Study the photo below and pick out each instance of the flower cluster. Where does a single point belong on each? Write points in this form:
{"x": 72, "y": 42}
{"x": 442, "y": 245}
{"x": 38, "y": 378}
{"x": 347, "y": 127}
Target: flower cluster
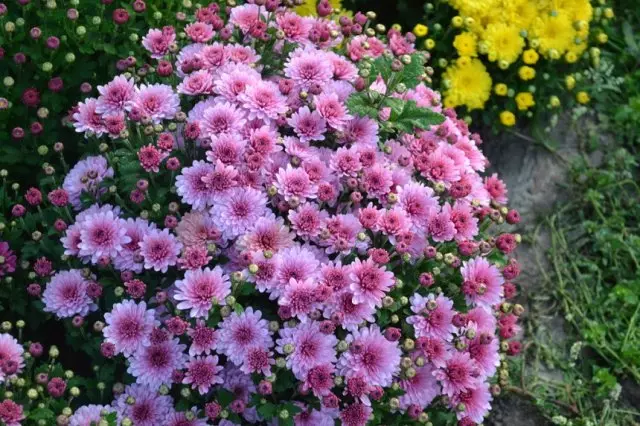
{"x": 509, "y": 57}
{"x": 281, "y": 225}
{"x": 50, "y": 54}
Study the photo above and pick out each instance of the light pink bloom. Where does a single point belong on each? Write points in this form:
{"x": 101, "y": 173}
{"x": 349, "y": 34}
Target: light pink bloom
{"x": 196, "y": 83}
{"x": 199, "y": 32}
{"x": 458, "y": 375}
{"x": 202, "y": 373}
{"x": 153, "y": 365}
{"x": 66, "y": 295}
{"x": 311, "y": 347}
{"x": 10, "y": 357}
{"x": 369, "y": 282}
{"x": 434, "y": 316}
{"x": 160, "y": 249}
{"x": 200, "y": 290}
{"x": 115, "y": 95}
{"x": 421, "y": 389}
{"x": 307, "y": 67}
{"x": 332, "y": 110}
{"x": 129, "y": 326}
{"x": 238, "y": 211}
{"x": 295, "y": 27}
{"x": 482, "y": 282}
{"x": 309, "y": 126}
{"x": 263, "y": 100}
{"x": 239, "y": 332}
{"x": 102, "y": 234}
{"x": 156, "y": 101}
{"x": 157, "y": 42}
{"x": 87, "y": 119}
{"x": 221, "y": 117}
{"x": 295, "y": 184}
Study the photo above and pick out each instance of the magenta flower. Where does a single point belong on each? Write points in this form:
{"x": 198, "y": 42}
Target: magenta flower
{"x": 496, "y": 188}
{"x": 203, "y": 339}
{"x": 482, "y": 282}
{"x": 332, "y": 110}
{"x": 295, "y": 184}
{"x": 309, "y": 126}
{"x": 310, "y": 347}
{"x": 102, "y": 234}
{"x": 192, "y": 187}
{"x": 11, "y": 360}
{"x": 476, "y": 401}
{"x": 263, "y": 100}
{"x": 434, "y": 316}
{"x": 156, "y": 101}
{"x": 370, "y": 356}
{"x": 307, "y": 67}
{"x": 269, "y": 233}
{"x": 199, "y": 32}
{"x": 369, "y": 282}
{"x": 233, "y": 81}
{"x": 115, "y": 96}
{"x": 129, "y": 326}
{"x": 128, "y": 258}
{"x": 148, "y": 408}
{"x": 89, "y": 414}
{"x": 239, "y": 332}
{"x": 201, "y": 289}
{"x": 295, "y": 27}
{"x": 197, "y": 83}
{"x": 307, "y": 220}
{"x": 458, "y": 375}
{"x": 202, "y": 373}
{"x": 159, "y": 249}
{"x": 153, "y": 365}
{"x": 356, "y": 414}
{"x": 157, "y": 42}
{"x": 221, "y": 117}
{"x": 7, "y": 259}
{"x": 421, "y": 389}
{"x": 350, "y": 314}
{"x": 66, "y": 295}
{"x": 238, "y": 211}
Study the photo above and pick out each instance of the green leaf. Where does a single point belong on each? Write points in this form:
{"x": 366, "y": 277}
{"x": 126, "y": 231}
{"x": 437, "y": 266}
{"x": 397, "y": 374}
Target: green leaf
{"x": 411, "y": 73}
{"x": 41, "y": 414}
{"x": 360, "y": 104}
{"x": 413, "y": 117}
{"x": 267, "y": 410}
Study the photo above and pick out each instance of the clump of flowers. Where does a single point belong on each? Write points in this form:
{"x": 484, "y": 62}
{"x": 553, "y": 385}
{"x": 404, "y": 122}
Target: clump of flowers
{"x": 510, "y": 58}
{"x": 288, "y": 227}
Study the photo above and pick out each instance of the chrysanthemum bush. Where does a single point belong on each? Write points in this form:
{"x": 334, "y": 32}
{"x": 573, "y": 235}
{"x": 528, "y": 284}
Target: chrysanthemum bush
{"x": 277, "y": 223}
{"x": 53, "y": 52}
{"x": 502, "y": 61}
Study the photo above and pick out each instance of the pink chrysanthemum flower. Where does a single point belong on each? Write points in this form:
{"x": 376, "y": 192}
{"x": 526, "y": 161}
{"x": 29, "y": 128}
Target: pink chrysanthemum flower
{"x": 199, "y": 32}
{"x": 369, "y": 282}
{"x": 102, "y": 234}
{"x": 128, "y": 258}
{"x": 308, "y": 67}
{"x": 213, "y": 56}
{"x": 156, "y": 101}
{"x": 300, "y": 296}
{"x": 88, "y": 415}
{"x": 11, "y": 361}
{"x": 152, "y": 365}
{"x": 377, "y": 181}
{"x": 203, "y": 339}
{"x": 346, "y": 162}
{"x": 434, "y": 350}
{"x": 240, "y": 54}
{"x": 129, "y": 326}
{"x": 268, "y": 233}
{"x": 421, "y": 389}
{"x": 238, "y": 211}
{"x": 310, "y": 347}
{"x": 434, "y": 316}
{"x": 228, "y": 148}
{"x": 361, "y": 131}
{"x": 482, "y": 282}
{"x": 295, "y": 27}
{"x": 297, "y": 263}
{"x": 307, "y": 220}
{"x": 203, "y": 373}
{"x": 309, "y": 126}
{"x": 343, "y": 69}
{"x": 440, "y": 227}
{"x": 370, "y": 356}
{"x": 418, "y": 201}
{"x": 356, "y": 414}
{"x": 394, "y": 222}
{"x": 8, "y": 264}
{"x": 258, "y": 360}
{"x": 86, "y": 175}
{"x": 332, "y": 110}
{"x": 233, "y": 81}
{"x": 239, "y": 332}
{"x": 148, "y": 408}
{"x": 191, "y": 185}
{"x": 196, "y": 83}
{"x": 440, "y": 168}
{"x": 483, "y": 319}
{"x": 246, "y": 16}
{"x": 364, "y": 47}
{"x": 66, "y": 295}
{"x": 157, "y": 42}
{"x": 320, "y": 379}
{"x": 115, "y": 95}
{"x": 160, "y": 249}
{"x": 343, "y": 231}
{"x": 200, "y": 290}
{"x": 496, "y": 189}
{"x": 87, "y": 119}
{"x": 485, "y": 351}
{"x": 220, "y": 179}
{"x": 263, "y": 100}
{"x": 476, "y": 401}
{"x": 222, "y": 117}
{"x": 350, "y": 314}
{"x": 464, "y": 221}
{"x": 476, "y": 158}
{"x": 459, "y": 374}
{"x": 195, "y": 229}
{"x": 295, "y": 184}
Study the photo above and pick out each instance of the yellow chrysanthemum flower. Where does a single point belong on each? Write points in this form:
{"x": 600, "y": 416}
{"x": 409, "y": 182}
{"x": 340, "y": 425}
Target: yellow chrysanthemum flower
{"x": 468, "y": 85}
{"x": 554, "y": 102}
{"x": 570, "y": 82}
{"x": 526, "y": 73}
{"x": 520, "y": 13}
{"x": 524, "y": 100}
{"x": 420, "y": 30}
{"x": 576, "y": 10}
{"x": 501, "y": 89}
{"x": 555, "y": 34}
{"x": 530, "y": 56}
{"x": 571, "y": 57}
{"x": 466, "y": 44}
{"x": 507, "y": 118}
{"x": 583, "y": 97}
{"x": 429, "y": 44}
{"x": 504, "y": 42}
